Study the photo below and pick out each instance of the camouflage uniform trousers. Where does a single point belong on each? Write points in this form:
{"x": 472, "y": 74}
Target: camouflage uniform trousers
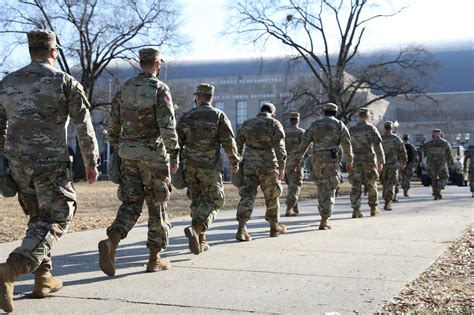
{"x": 439, "y": 176}
{"x": 389, "y": 180}
{"x": 407, "y": 175}
{"x": 47, "y": 196}
{"x": 294, "y": 179}
{"x": 326, "y": 178}
{"x": 140, "y": 181}
{"x": 271, "y": 188}
{"x": 364, "y": 173}
{"x": 206, "y": 192}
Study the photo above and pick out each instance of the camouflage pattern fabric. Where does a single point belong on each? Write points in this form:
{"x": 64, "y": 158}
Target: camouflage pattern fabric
{"x": 202, "y": 132}
{"x": 327, "y": 135}
{"x": 368, "y": 151}
{"x": 412, "y": 163}
{"x": 264, "y": 154}
{"x": 140, "y": 181}
{"x": 439, "y": 157}
{"x": 469, "y": 156}
{"x": 142, "y": 127}
{"x": 35, "y": 103}
{"x": 395, "y": 154}
{"x": 294, "y": 179}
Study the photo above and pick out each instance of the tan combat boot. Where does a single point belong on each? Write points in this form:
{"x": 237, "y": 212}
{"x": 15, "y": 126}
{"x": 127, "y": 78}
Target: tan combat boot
{"x": 323, "y": 225}
{"x": 192, "y": 233}
{"x": 296, "y": 209}
{"x": 155, "y": 263}
{"x": 45, "y": 283}
{"x": 9, "y": 271}
{"x": 356, "y": 213}
{"x": 290, "y": 212}
{"x": 388, "y": 205}
{"x": 277, "y": 228}
{"x": 203, "y": 242}
{"x": 107, "y": 250}
{"x": 374, "y": 210}
{"x": 242, "y": 233}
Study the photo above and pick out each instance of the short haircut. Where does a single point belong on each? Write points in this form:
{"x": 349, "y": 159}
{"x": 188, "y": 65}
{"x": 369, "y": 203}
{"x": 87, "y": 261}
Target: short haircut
{"x": 330, "y": 112}
{"x": 205, "y": 97}
{"x": 266, "y": 109}
{"x": 39, "y": 51}
{"x": 388, "y": 127}
{"x": 147, "y": 65}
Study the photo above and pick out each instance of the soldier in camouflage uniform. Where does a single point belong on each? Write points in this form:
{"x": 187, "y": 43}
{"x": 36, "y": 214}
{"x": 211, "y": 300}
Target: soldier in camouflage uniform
{"x": 412, "y": 163}
{"x": 368, "y": 162}
{"x": 395, "y": 159}
{"x": 469, "y": 156}
{"x": 294, "y": 178}
{"x": 142, "y": 128}
{"x": 35, "y": 104}
{"x": 263, "y": 164}
{"x": 202, "y": 132}
{"x": 439, "y": 158}
{"x": 327, "y": 135}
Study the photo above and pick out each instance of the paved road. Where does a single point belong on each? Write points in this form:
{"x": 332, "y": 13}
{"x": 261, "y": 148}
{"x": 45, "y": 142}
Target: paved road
{"x": 356, "y": 267}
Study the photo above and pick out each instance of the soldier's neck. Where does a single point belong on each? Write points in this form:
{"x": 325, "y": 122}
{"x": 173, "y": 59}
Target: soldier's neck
{"x": 49, "y": 61}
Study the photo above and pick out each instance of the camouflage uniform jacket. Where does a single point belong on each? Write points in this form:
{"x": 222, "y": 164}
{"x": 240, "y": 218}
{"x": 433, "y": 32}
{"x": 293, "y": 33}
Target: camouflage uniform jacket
{"x": 469, "y": 155}
{"x": 366, "y": 143}
{"x": 293, "y": 139}
{"x": 326, "y": 134}
{"x": 394, "y": 150}
{"x": 264, "y": 140}
{"x": 37, "y": 102}
{"x": 142, "y": 124}
{"x": 438, "y": 152}
{"x": 202, "y": 131}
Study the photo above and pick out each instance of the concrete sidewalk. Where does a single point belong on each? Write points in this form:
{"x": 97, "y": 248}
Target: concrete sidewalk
{"x": 355, "y": 267}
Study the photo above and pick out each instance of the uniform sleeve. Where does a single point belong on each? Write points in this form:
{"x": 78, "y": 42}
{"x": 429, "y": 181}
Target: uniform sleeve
{"x": 181, "y": 133}
{"x": 226, "y": 138}
{"x": 449, "y": 155}
{"x": 305, "y": 143}
{"x": 3, "y": 128}
{"x": 166, "y": 121}
{"x": 402, "y": 153}
{"x": 346, "y": 144}
{"x": 279, "y": 145}
{"x": 240, "y": 141}
{"x": 78, "y": 108}
{"x": 378, "y": 147}
{"x": 114, "y": 127}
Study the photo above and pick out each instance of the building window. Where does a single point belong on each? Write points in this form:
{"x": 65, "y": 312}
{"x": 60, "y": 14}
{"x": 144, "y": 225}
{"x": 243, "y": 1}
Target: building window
{"x": 219, "y": 105}
{"x": 241, "y": 112}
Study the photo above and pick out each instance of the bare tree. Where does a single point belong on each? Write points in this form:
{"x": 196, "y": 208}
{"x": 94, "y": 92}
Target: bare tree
{"x": 92, "y": 33}
{"x": 307, "y": 26}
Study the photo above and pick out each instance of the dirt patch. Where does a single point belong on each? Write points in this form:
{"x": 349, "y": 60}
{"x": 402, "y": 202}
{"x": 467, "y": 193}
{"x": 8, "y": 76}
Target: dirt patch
{"x": 447, "y": 286}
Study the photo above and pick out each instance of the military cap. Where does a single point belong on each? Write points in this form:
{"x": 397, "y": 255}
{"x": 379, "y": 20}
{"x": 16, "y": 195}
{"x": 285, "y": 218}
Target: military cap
{"x": 204, "y": 88}
{"x": 330, "y": 106}
{"x": 364, "y": 111}
{"x": 406, "y": 137}
{"x": 436, "y": 130}
{"x": 388, "y": 124}
{"x": 294, "y": 115}
{"x": 42, "y": 38}
{"x": 149, "y": 54}
{"x": 270, "y": 105}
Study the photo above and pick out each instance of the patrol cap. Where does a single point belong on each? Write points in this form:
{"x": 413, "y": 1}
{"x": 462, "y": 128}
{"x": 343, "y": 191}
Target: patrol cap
{"x": 436, "y": 130}
{"x": 363, "y": 111}
{"x": 149, "y": 54}
{"x": 294, "y": 115}
{"x": 268, "y": 105}
{"x": 388, "y": 124}
{"x": 330, "y": 107}
{"x": 204, "y": 88}
{"x": 406, "y": 137}
{"x": 42, "y": 39}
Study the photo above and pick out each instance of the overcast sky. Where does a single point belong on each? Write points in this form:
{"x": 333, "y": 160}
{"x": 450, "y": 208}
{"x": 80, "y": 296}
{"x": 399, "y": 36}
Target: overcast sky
{"x": 423, "y": 21}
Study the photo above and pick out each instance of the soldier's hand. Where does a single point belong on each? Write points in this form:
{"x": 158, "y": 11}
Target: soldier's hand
{"x": 402, "y": 166}
{"x": 174, "y": 168}
{"x": 91, "y": 174}
{"x": 349, "y": 167}
{"x": 281, "y": 174}
{"x": 235, "y": 169}
{"x": 379, "y": 167}
{"x": 296, "y": 165}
